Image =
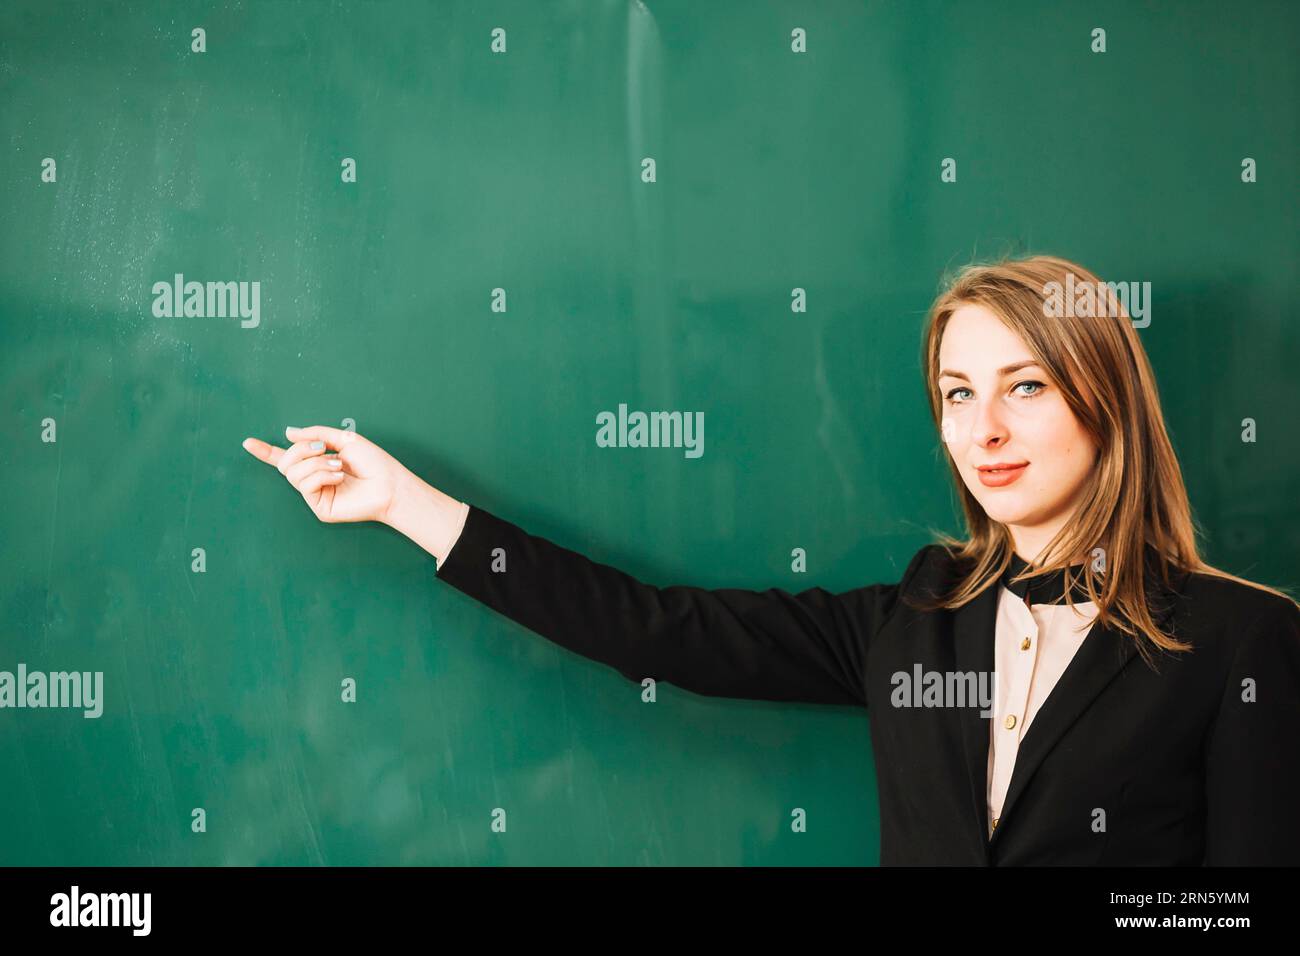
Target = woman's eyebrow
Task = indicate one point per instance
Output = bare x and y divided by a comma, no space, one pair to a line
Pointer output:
1005,370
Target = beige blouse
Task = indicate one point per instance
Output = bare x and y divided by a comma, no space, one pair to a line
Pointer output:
1032,647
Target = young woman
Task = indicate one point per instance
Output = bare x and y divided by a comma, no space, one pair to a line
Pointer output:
1069,684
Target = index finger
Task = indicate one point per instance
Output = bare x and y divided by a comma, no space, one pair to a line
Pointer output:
262,451
334,438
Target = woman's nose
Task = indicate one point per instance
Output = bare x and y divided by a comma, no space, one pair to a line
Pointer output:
989,427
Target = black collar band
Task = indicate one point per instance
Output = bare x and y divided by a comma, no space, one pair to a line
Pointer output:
1046,588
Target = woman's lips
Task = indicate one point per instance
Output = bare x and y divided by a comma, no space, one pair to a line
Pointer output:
1000,474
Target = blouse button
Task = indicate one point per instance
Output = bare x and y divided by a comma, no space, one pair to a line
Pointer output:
1024,645
1010,722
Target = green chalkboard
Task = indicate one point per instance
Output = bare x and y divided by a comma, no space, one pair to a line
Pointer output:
481,167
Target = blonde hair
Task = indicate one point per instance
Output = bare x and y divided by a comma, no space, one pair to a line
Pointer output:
1136,502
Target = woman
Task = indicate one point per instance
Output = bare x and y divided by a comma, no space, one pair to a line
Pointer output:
1070,684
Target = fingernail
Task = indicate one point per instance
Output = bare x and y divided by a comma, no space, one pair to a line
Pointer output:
317,445
334,463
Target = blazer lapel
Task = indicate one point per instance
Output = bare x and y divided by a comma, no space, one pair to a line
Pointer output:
974,637
1102,655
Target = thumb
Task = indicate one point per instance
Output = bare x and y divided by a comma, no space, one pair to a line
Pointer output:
334,438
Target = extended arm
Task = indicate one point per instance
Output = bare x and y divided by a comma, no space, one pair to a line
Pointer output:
765,645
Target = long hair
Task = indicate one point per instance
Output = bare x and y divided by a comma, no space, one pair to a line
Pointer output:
1133,519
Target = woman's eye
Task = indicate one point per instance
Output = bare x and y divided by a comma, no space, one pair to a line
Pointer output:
1038,386
950,395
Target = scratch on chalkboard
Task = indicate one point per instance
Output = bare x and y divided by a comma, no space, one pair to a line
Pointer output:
829,413
194,470
54,522
54,516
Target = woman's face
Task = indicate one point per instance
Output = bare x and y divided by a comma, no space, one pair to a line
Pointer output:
1000,408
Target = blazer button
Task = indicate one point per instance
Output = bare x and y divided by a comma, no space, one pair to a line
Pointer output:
1010,722
995,822
1024,645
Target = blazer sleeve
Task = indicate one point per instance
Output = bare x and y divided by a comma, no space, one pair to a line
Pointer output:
1253,750
762,645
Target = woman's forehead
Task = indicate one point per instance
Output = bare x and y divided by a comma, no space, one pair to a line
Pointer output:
976,336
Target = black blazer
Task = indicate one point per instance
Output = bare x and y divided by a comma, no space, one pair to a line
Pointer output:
1187,772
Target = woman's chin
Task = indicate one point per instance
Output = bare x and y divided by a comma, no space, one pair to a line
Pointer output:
1005,511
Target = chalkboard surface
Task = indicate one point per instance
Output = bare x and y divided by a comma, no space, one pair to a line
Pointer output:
435,222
